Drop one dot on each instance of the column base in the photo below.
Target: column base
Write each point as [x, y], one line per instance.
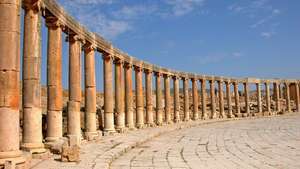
[205, 117]
[140, 126]
[92, 135]
[109, 132]
[20, 162]
[176, 120]
[52, 139]
[244, 115]
[238, 115]
[150, 125]
[214, 116]
[121, 130]
[34, 148]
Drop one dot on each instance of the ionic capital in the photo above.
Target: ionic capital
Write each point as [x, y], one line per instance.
[118, 61]
[148, 71]
[175, 77]
[166, 76]
[72, 37]
[34, 5]
[107, 56]
[138, 68]
[158, 74]
[88, 47]
[127, 65]
[54, 22]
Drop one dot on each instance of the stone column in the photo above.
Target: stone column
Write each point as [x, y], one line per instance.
[203, 99]
[9, 81]
[176, 99]
[54, 80]
[195, 99]
[221, 99]
[128, 97]
[228, 96]
[277, 96]
[149, 101]
[186, 99]
[74, 128]
[108, 94]
[32, 112]
[90, 93]
[297, 97]
[247, 104]
[159, 98]
[212, 99]
[259, 103]
[237, 99]
[167, 99]
[119, 97]
[268, 97]
[288, 99]
[139, 97]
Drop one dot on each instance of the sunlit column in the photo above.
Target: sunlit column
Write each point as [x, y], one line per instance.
[237, 99]
[159, 99]
[221, 99]
[149, 101]
[176, 99]
[128, 96]
[259, 103]
[228, 96]
[119, 97]
[268, 98]
[288, 99]
[195, 99]
[186, 99]
[247, 104]
[167, 99]
[212, 99]
[139, 97]
[297, 97]
[203, 99]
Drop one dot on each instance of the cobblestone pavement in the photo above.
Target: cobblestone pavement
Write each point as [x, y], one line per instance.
[252, 143]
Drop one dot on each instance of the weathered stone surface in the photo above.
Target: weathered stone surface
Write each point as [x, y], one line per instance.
[70, 153]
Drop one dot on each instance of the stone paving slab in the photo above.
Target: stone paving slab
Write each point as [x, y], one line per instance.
[100, 154]
[267, 143]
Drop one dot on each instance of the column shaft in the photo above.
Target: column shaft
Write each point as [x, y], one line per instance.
[159, 100]
[259, 103]
[297, 97]
[90, 93]
[139, 97]
[167, 99]
[228, 96]
[9, 79]
[186, 99]
[149, 101]
[54, 80]
[128, 97]
[268, 99]
[119, 97]
[195, 99]
[203, 99]
[221, 99]
[176, 99]
[108, 94]
[288, 99]
[247, 104]
[277, 96]
[32, 112]
[212, 99]
[237, 99]
[74, 129]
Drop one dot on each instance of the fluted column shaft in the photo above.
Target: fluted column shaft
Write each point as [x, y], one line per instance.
[203, 99]
[149, 101]
[176, 99]
[237, 99]
[90, 93]
[54, 80]
[186, 99]
[277, 96]
[259, 103]
[221, 99]
[212, 99]
[167, 99]
[32, 112]
[108, 94]
[268, 99]
[74, 129]
[247, 104]
[159, 98]
[9, 79]
[195, 99]
[139, 97]
[288, 99]
[119, 96]
[297, 97]
[128, 97]
[228, 96]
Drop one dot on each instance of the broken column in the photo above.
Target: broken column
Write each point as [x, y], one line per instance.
[90, 92]
[54, 80]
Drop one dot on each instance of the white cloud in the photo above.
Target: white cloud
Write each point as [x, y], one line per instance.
[133, 12]
[267, 35]
[182, 7]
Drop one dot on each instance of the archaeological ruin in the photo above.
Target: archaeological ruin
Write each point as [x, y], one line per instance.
[29, 129]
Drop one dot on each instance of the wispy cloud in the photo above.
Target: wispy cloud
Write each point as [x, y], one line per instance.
[219, 57]
[134, 12]
[267, 35]
[182, 7]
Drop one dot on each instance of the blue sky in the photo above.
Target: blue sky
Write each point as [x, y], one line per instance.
[240, 38]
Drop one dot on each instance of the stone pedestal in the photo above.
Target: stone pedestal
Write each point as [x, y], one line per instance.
[108, 94]
[54, 80]
[203, 99]
[195, 99]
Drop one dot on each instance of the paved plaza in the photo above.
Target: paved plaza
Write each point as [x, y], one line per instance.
[251, 143]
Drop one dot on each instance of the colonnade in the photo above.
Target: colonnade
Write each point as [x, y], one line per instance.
[120, 95]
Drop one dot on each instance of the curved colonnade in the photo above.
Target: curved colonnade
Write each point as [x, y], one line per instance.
[118, 88]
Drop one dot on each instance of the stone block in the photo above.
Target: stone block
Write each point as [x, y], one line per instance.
[32, 93]
[70, 153]
[55, 98]
[32, 65]
[9, 54]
